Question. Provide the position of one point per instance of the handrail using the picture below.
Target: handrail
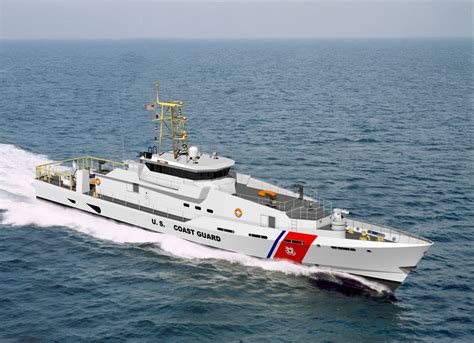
(390, 231)
(51, 169)
(289, 205)
(94, 158)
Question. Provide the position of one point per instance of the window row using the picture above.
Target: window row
(257, 236)
(198, 208)
(225, 230)
(294, 241)
(186, 174)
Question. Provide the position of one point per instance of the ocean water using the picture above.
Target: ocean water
(383, 128)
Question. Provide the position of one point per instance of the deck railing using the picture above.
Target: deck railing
(63, 171)
(389, 234)
(307, 208)
(295, 208)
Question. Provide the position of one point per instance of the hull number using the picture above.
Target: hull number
(193, 232)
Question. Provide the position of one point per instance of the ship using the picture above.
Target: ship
(174, 188)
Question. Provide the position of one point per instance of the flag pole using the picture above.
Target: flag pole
(157, 83)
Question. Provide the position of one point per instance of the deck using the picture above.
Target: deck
(294, 207)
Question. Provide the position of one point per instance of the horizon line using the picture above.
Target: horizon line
(233, 38)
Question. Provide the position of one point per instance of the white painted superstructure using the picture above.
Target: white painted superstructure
(196, 196)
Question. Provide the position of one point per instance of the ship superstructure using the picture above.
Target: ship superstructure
(197, 196)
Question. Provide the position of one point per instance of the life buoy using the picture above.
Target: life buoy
(238, 212)
(97, 181)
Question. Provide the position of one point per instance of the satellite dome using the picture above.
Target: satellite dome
(193, 152)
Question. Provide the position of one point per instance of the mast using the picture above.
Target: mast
(172, 125)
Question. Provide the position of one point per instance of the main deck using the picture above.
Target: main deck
(296, 207)
(293, 206)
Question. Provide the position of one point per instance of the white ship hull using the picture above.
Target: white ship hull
(385, 261)
(196, 196)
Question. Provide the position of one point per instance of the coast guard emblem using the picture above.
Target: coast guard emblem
(290, 251)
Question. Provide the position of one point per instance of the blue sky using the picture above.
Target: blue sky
(101, 19)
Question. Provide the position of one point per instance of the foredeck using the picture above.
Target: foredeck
(294, 207)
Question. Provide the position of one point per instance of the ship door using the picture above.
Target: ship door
(263, 220)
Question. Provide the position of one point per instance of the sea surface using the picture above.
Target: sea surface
(383, 128)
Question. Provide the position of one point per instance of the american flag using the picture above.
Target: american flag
(150, 107)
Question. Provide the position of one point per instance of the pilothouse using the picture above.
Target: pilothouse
(174, 188)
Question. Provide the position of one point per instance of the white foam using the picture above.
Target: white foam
(21, 208)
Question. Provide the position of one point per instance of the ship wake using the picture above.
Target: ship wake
(19, 207)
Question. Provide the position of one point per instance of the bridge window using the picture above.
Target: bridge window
(187, 174)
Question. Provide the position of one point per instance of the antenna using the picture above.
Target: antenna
(172, 125)
(121, 128)
(157, 84)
